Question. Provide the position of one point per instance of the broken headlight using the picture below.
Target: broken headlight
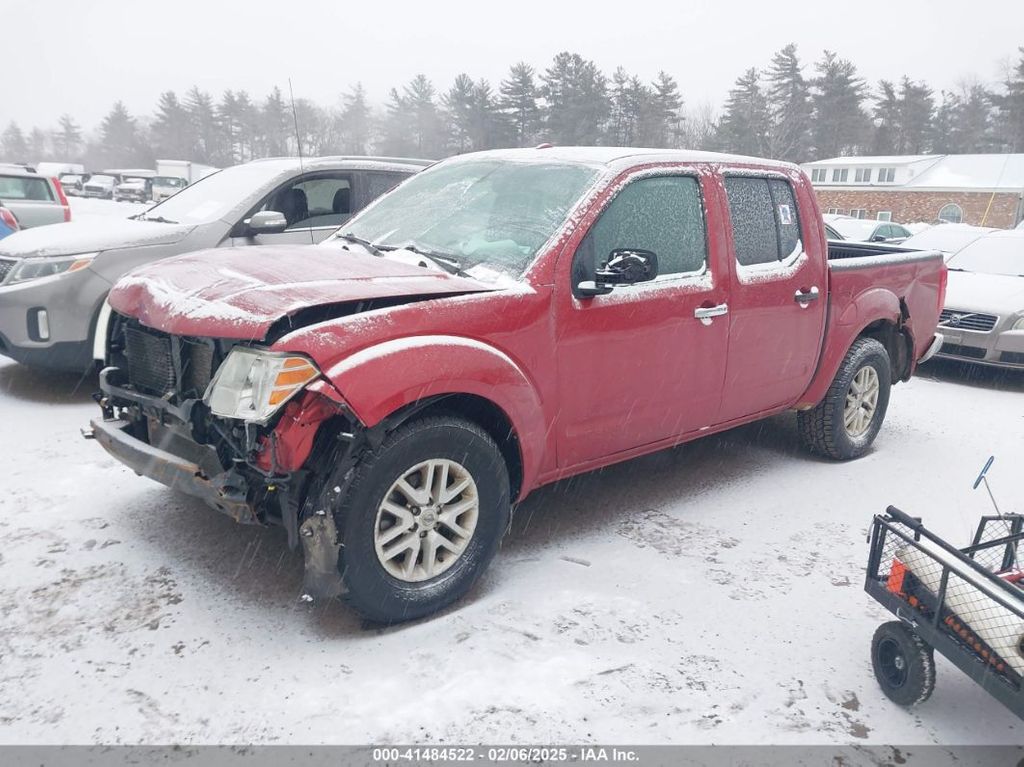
(253, 384)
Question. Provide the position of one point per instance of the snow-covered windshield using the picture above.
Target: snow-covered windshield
(490, 213)
(949, 238)
(856, 229)
(213, 196)
(101, 180)
(996, 254)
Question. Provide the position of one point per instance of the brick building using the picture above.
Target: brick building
(979, 189)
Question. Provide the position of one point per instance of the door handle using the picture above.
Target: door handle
(805, 297)
(706, 313)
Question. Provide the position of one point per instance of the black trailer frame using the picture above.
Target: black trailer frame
(929, 617)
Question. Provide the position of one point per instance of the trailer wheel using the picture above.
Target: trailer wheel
(845, 423)
(904, 665)
(422, 518)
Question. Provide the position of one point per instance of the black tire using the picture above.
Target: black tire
(904, 665)
(822, 428)
(371, 589)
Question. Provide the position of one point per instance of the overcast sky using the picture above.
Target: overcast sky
(79, 56)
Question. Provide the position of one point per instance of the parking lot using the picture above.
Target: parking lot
(711, 593)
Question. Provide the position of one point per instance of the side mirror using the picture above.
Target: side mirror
(877, 238)
(267, 222)
(623, 267)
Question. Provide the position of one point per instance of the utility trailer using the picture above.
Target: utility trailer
(968, 604)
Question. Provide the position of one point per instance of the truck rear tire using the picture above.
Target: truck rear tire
(422, 518)
(845, 423)
(904, 665)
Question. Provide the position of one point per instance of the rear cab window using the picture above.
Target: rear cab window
(663, 214)
(25, 188)
(765, 222)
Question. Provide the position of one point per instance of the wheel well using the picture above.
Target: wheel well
(482, 412)
(897, 343)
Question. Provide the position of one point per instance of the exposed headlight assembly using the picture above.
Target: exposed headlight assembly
(34, 268)
(253, 384)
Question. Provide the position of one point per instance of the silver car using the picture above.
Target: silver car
(33, 199)
(983, 320)
(54, 281)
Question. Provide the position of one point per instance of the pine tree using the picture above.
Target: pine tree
(666, 124)
(487, 126)
(397, 129)
(119, 137)
(68, 137)
(916, 108)
(1010, 110)
(208, 146)
(944, 126)
(37, 144)
(425, 120)
(458, 105)
(887, 119)
(744, 128)
(275, 125)
(355, 121)
(518, 102)
(229, 126)
(974, 120)
(15, 148)
(790, 107)
(247, 115)
(173, 133)
(837, 93)
(576, 96)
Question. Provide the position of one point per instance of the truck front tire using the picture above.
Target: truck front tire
(422, 518)
(845, 423)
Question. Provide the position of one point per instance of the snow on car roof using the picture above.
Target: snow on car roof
(623, 157)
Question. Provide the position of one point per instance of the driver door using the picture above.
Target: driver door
(637, 365)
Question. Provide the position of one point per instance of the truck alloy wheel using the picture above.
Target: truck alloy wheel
(422, 518)
(426, 520)
(861, 401)
(845, 423)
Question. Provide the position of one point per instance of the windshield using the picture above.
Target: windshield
(949, 238)
(995, 254)
(854, 228)
(168, 181)
(212, 197)
(487, 213)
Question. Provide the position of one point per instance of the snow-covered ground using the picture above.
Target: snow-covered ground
(711, 593)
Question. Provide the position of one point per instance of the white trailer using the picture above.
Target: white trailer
(186, 169)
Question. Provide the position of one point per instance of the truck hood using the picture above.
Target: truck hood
(90, 236)
(241, 293)
(976, 292)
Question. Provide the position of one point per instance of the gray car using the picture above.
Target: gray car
(33, 199)
(54, 281)
(983, 320)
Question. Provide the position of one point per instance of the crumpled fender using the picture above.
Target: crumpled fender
(382, 378)
(868, 307)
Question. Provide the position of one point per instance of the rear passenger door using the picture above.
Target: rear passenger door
(778, 299)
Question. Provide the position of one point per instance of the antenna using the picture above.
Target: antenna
(982, 478)
(298, 144)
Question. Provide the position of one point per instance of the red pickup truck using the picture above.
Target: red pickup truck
(500, 321)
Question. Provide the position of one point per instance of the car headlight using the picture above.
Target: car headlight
(253, 384)
(1018, 325)
(35, 268)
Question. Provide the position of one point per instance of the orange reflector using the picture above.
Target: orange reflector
(294, 377)
(896, 576)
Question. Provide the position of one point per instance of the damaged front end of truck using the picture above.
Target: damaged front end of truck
(238, 426)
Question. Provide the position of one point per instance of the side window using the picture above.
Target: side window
(379, 183)
(663, 214)
(314, 202)
(765, 223)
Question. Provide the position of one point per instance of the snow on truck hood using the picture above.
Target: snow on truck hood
(991, 293)
(241, 293)
(90, 236)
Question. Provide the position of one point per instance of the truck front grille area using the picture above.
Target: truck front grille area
(161, 364)
(963, 320)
